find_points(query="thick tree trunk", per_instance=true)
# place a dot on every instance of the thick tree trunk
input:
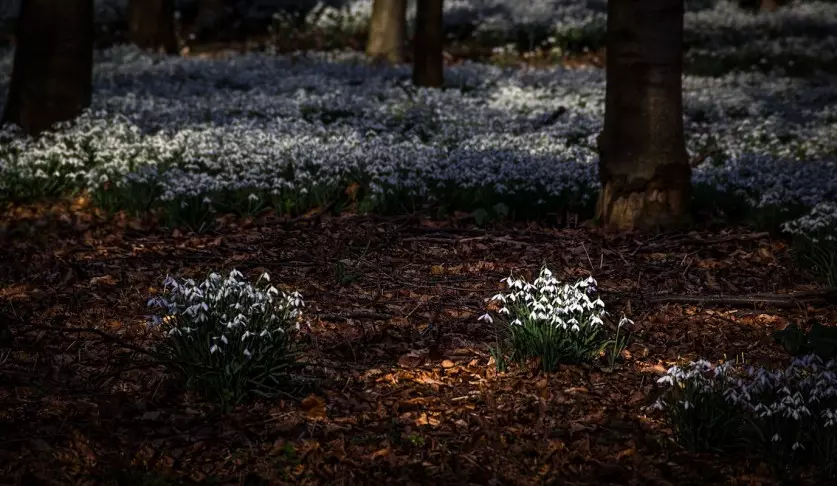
(52, 74)
(429, 39)
(643, 166)
(387, 30)
(151, 24)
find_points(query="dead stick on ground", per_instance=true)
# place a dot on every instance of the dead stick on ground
(374, 316)
(822, 297)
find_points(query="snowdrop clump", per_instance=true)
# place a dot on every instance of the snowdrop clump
(552, 321)
(790, 412)
(226, 337)
(819, 224)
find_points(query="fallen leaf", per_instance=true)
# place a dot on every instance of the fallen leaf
(314, 407)
(380, 453)
(625, 453)
(103, 280)
(412, 359)
(447, 364)
(424, 419)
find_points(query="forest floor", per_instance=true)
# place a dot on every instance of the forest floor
(401, 386)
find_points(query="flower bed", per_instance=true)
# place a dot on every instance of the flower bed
(195, 136)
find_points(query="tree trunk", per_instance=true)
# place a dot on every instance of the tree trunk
(52, 75)
(387, 30)
(151, 24)
(643, 164)
(429, 38)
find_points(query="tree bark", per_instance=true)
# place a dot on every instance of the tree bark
(387, 30)
(52, 74)
(429, 39)
(151, 25)
(643, 164)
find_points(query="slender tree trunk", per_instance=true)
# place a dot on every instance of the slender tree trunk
(52, 75)
(151, 24)
(428, 62)
(644, 167)
(387, 30)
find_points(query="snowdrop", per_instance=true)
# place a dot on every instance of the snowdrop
(227, 323)
(554, 321)
(793, 406)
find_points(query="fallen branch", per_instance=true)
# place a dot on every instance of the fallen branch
(818, 297)
(372, 316)
(690, 240)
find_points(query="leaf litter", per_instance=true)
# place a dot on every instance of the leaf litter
(401, 385)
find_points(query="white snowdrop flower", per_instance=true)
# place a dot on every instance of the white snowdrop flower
(253, 197)
(214, 348)
(775, 438)
(487, 318)
(666, 379)
(247, 353)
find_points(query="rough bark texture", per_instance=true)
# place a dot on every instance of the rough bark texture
(387, 30)
(52, 73)
(643, 166)
(429, 38)
(151, 24)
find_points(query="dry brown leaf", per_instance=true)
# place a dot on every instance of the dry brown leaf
(380, 453)
(425, 419)
(314, 407)
(625, 453)
(103, 280)
(413, 359)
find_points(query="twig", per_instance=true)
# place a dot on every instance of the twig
(821, 297)
(504, 239)
(588, 257)
(689, 240)
(374, 316)
(100, 333)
